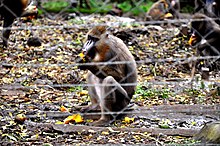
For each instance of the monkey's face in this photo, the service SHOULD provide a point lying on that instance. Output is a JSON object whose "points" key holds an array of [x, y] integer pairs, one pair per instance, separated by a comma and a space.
{"points": [[89, 49], [95, 48], [199, 28], [211, 7], [196, 36]]}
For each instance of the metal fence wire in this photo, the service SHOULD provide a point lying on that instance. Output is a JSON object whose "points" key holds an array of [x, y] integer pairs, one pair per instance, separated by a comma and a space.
{"points": [[45, 63]]}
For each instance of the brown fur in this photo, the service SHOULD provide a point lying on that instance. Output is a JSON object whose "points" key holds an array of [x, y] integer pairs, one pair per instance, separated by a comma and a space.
{"points": [[160, 8], [115, 98], [97, 31], [24, 3]]}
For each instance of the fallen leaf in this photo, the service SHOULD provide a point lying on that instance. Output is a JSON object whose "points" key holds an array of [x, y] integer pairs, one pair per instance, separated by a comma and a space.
{"points": [[128, 120], [105, 133], [63, 109], [73, 118], [59, 122], [20, 118]]}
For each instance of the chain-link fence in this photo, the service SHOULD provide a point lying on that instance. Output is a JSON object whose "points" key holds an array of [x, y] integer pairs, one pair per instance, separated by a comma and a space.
{"points": [[159, 85]]}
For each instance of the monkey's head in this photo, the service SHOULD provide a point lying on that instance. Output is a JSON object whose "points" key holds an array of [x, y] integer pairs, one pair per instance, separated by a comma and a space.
{"points": [[200, 26], [95, 49]]}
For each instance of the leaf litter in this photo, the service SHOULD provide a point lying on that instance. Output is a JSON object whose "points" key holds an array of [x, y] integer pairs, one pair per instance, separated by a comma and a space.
{"points": [[40, 86]]}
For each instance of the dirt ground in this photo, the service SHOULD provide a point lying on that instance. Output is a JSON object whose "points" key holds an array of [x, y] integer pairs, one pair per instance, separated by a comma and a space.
{"points": [[35, 82]]}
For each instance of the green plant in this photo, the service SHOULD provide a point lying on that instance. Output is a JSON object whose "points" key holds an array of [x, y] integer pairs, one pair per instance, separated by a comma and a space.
{"points": [[96, 7], [187, 9], [125, 6], [145, 93], [55, 6], [192, 92], [136, 10], [75, 89]]}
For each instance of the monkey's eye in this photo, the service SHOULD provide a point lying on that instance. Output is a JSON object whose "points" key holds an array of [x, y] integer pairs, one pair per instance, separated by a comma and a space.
{"points": [[92, 38]]}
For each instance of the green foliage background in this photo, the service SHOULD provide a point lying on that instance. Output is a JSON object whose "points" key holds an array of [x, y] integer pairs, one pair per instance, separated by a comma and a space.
{"points": [[98, 7]]}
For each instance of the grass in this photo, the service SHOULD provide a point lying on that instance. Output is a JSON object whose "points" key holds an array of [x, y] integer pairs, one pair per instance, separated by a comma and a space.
{"points": [[55, 6], [97, 7], [137, 10], [75, 89], [101, 7], [145, 93]]}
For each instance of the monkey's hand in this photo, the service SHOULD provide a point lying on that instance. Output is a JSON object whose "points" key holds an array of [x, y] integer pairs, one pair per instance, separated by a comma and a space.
{"points": [[82, 56], [82, 59]]}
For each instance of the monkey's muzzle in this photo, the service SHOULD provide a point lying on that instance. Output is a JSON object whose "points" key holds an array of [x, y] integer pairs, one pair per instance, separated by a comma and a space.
{"points": [[192, 40], [87, 53], [31, 12], [87, 46]]}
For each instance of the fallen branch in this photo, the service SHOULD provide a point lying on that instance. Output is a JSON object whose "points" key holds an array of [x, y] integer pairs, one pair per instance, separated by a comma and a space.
{"points": [[66, 128]]}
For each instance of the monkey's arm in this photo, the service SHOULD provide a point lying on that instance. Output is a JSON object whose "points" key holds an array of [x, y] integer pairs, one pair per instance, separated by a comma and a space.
{"points": [[199, 5], [121, 89], [207, 44], [6, 30], [197, 9]]}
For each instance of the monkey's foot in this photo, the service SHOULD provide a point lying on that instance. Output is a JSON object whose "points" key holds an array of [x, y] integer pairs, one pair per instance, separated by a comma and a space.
{"points": [[101, 122], [88, 108], [91, 108], [3, 45]]}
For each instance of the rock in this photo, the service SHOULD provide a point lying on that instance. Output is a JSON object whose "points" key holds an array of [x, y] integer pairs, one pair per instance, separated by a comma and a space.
{"points": [[210, 133], [34, 41]]}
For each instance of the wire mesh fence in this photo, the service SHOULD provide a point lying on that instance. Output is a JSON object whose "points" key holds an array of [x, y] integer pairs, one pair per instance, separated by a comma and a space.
{"points": [[44, 71]]}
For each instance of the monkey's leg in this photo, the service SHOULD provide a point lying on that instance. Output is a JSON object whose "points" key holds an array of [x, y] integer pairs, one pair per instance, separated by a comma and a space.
{"points": [[6, 30], [114, 98], [94, 92], [197, 9]]}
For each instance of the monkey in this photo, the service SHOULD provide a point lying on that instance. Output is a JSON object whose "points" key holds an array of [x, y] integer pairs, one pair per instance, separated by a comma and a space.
{"points": [[206, 38], [113, 83], [174, 8], [216, 8], [210, 8], [162, 9], [11, 9], [200, 6]]}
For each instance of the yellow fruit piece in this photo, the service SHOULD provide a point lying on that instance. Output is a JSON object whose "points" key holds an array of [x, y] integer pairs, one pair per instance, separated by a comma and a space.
{"points": [[191, 40], [81, 55]]}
